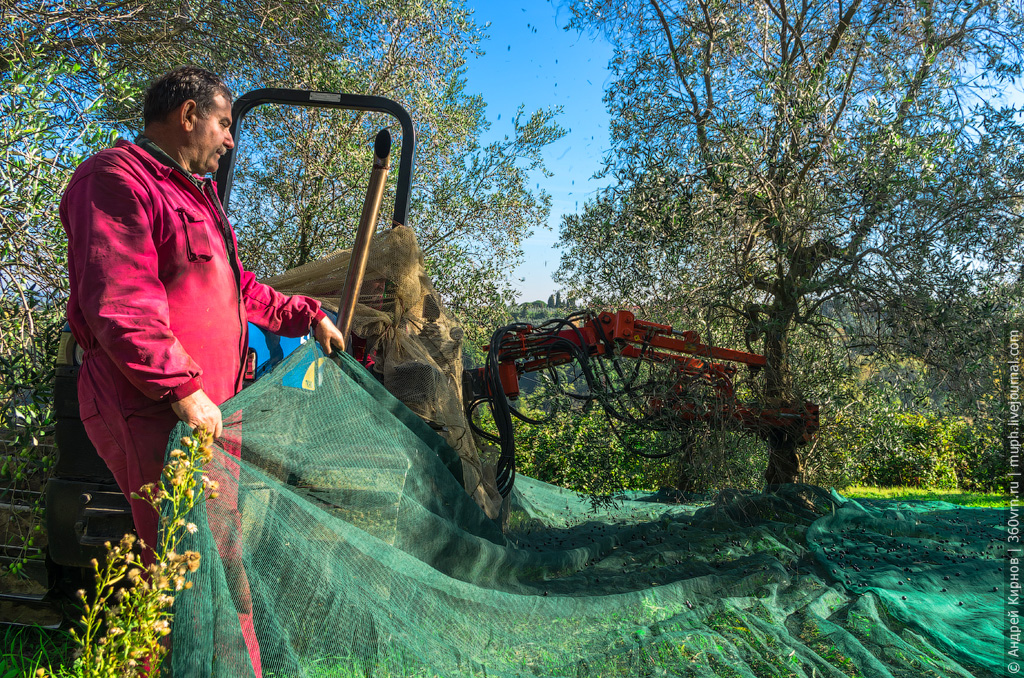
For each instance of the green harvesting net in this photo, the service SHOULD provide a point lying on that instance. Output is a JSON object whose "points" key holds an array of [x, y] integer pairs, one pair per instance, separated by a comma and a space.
{"points": [[342, 544]]}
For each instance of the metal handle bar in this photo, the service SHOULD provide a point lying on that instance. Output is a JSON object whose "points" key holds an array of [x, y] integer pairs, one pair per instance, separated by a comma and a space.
{"points": [[300, 97]]}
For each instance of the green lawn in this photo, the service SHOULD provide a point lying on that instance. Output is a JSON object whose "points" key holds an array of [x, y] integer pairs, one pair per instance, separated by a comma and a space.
{"points": [[980, 499]]}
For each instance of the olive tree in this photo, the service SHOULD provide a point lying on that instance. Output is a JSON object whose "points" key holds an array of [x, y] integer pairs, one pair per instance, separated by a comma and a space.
{"points": [[472, 204], [791, 163]]}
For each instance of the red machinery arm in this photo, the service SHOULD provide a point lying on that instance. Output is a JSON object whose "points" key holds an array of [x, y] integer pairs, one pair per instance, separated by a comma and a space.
{"points": [[620, 334]]}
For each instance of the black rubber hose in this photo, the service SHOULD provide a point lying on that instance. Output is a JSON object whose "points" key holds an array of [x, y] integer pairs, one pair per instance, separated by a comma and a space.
{"points": [[505, 472], [487, 435]]}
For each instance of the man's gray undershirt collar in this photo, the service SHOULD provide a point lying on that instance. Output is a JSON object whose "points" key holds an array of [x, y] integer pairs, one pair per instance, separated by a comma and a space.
{"points": [[160, 154]]}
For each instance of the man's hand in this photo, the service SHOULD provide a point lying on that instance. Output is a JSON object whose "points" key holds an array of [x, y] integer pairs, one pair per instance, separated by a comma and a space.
{"points": [[198, 411], [328, 336]]}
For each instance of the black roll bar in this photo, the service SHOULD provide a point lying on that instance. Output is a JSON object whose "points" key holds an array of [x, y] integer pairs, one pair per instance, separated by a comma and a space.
{"points": [[301, 97]]}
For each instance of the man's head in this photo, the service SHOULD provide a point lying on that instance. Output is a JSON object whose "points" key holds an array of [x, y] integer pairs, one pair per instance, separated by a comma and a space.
{"points": [[187, 113]]}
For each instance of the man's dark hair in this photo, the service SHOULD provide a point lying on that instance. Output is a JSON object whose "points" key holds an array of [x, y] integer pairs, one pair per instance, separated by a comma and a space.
{"points": [[178, 86]]}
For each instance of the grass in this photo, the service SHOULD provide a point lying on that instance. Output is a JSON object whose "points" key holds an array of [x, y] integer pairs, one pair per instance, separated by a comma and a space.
{"points": [[25, 649], [976, 499]]}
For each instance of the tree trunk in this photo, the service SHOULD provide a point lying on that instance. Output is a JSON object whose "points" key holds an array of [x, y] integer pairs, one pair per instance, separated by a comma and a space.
{"points": [[784, 464]]}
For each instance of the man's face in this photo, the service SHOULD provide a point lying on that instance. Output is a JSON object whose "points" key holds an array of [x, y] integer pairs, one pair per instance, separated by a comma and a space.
{"points": [[211, 137]]}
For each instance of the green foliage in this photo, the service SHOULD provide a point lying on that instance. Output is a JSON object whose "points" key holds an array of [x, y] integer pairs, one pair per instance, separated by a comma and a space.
{"points": [[580, 451], [535, 312], [46, 130], [877, 427], [907, 449], [24, 650], [535, 315], [878, 433], [47, 127], [960, 498], [583, 450], [929, 450], [145, 39]]}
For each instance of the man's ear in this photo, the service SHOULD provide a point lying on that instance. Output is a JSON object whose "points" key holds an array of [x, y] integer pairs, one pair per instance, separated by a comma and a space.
{"points": [[189, 115]]}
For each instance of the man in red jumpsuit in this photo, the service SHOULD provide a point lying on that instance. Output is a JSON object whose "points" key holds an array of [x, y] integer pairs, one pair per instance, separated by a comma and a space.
{"points": [[159, 299]]}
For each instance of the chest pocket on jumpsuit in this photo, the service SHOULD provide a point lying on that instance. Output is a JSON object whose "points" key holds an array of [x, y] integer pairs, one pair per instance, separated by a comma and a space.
{"points": [[197, 235]]}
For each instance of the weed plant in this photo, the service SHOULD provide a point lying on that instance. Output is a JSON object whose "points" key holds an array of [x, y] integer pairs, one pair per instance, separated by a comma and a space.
{"points": [[128, 616]]}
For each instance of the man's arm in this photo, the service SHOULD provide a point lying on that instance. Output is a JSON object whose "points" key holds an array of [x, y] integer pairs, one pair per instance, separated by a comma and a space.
{"points": [[289, 316], [118, 289]]}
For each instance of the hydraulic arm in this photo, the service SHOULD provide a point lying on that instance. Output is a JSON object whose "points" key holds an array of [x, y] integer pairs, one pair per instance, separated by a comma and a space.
{"points": [[642, 373]]}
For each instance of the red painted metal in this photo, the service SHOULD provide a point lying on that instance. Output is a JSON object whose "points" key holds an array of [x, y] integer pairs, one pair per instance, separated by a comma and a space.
{"points": [[529, 350]]}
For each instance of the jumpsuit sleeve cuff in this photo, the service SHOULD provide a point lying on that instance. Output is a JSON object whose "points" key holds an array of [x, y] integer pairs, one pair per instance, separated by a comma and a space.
{"points": [[320, 315], [184, 390]]}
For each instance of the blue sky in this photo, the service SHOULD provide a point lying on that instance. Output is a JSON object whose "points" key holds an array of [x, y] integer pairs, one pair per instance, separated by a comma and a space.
{"points": [[531, 60]]}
